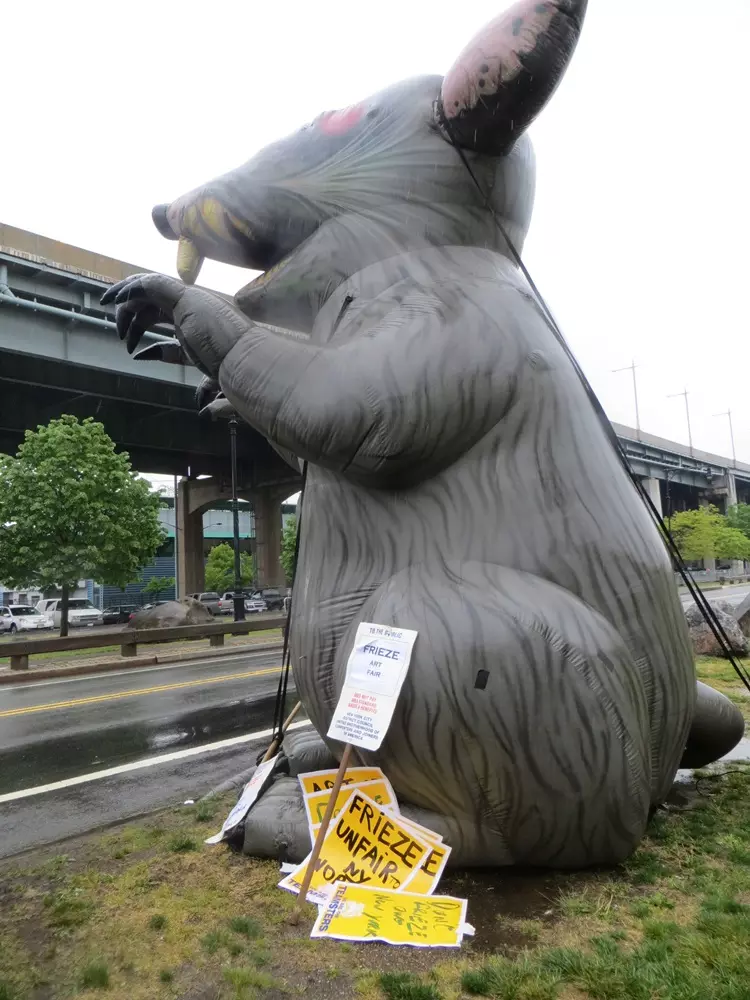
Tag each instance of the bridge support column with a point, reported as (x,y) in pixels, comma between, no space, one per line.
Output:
(267,507)
(731,490)
(190,566)
(653,489)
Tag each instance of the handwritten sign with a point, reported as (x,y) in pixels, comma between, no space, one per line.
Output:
(319,781)
(379,791)
(250,793)
(375,673)
(366,846)
(359,913)
(427,878)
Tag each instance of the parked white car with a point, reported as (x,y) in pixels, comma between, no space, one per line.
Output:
(23,618)
(81,612)
(255,605)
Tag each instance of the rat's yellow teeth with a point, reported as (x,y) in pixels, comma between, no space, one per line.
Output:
(189,261)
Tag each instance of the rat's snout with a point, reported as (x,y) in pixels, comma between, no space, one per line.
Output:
(203,228)
(161,221)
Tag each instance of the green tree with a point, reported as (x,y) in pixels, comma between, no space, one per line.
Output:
(220,568)
(288,546)
(706,534)
(738,517)
(157,585)
(72,509)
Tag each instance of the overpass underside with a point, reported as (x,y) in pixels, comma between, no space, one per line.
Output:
(157,423)
(60,354)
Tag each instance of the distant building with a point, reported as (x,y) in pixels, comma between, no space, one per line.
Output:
(217,528)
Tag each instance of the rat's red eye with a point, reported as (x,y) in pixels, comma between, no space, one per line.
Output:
(339,122)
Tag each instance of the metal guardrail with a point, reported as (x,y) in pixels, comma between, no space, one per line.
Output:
(129,639)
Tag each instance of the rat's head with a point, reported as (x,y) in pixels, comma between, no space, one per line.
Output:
(386,175)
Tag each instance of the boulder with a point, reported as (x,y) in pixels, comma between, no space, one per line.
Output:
(703,639)
(171,614)
(742,614)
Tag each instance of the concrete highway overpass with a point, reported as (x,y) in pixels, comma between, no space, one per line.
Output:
(59,353)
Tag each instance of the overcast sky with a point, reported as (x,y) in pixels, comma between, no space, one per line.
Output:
(640,234)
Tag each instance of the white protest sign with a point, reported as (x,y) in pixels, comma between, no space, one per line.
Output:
(250,793)
(375,673)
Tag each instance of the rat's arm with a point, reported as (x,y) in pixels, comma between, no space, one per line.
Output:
(392,406)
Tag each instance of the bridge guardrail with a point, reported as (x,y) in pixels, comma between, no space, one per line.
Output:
(129,639)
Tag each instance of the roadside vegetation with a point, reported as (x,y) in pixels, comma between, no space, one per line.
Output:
(147,910)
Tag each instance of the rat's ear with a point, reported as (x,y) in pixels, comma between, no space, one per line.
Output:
(507,73)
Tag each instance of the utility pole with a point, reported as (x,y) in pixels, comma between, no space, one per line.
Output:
(176,545)
(728,414)
(239,597)
(632,368)
(687,414)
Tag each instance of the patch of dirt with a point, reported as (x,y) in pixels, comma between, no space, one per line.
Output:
(499,896)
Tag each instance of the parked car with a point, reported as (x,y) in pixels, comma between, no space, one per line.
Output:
(23,618)
(118,614)
(210,600)
(272,597)
(81,612)
(255,605)
(227,601)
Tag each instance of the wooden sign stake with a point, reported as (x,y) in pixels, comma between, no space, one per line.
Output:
(275,744)
(339,780)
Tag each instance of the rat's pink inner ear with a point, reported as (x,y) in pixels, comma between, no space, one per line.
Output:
(508,72)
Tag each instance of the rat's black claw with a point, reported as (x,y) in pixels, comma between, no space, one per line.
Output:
(141,321)
(111,294)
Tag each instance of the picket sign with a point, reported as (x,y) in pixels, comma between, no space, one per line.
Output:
(322,781)
(250,793)
(359,913)
(315,805)
(367,845)
(375,673)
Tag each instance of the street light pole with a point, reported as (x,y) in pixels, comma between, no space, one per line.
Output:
(687,414)
(239,599)
(632,368)
(176,545)
(728,414)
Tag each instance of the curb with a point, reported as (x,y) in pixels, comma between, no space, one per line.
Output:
(28,677)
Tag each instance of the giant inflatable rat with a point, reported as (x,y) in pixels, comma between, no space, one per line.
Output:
(459,480)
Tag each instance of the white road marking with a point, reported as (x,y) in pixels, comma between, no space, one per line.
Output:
(109,772)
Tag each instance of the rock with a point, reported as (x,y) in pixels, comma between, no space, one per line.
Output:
(703,639)
(171,614)
(742,614)
(726,606)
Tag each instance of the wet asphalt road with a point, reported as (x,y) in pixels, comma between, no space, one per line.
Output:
(735,595)
(51,731)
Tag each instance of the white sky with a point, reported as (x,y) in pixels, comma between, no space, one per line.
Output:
(642,219)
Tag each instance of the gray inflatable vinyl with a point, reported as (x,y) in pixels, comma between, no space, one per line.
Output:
(459,482)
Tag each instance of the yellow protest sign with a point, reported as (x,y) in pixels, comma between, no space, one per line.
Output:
(319,781)
(359,913)
(379,791)
(365,846)
(432,868)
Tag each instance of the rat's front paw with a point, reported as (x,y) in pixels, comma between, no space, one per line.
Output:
(207,327)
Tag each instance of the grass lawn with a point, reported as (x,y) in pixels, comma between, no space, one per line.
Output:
(146,910)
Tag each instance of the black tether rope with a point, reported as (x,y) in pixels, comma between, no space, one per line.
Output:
(279,709)
(695,592)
